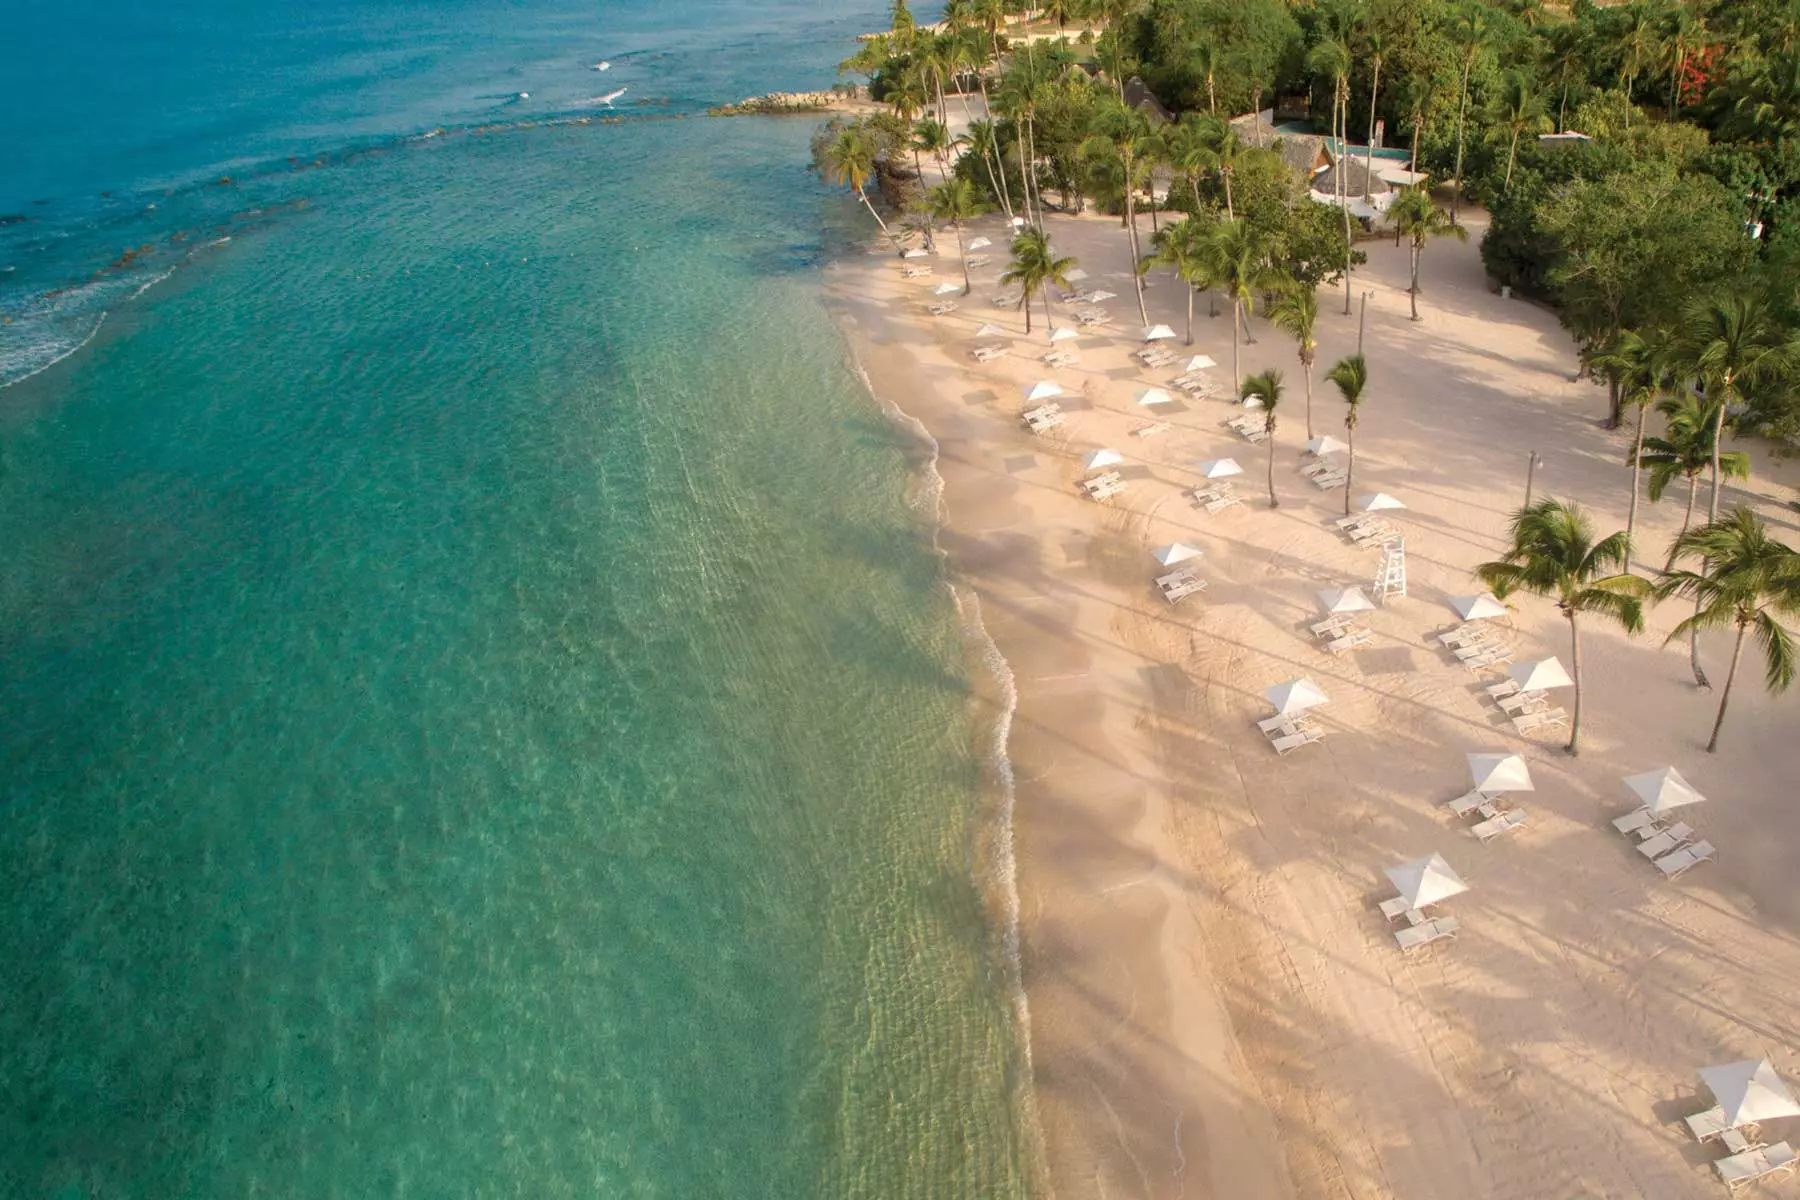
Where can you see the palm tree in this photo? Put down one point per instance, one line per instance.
(1236, 259)
(1126, 133)
(1204, 60)
(1685, 450)
(1352, 378)
(1554, 554)
(1266, 387)
(983, 140)
(1375, 46)
(1033, 267)
(1182, 247)
(1636, 361)
(933, 137)
(1471, 32)
(955, 201)
(1332, 58)
(1295, 312)
(1638, 46)
(849, 160)
(1517, 109)
(1566, 56)
(1745, 579)
(1417, 216)
(1730, 341)
(1683, 33)
(1191, 147)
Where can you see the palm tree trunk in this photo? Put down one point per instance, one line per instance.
(1637, 470)
(1350, 465)
(1273, 502)
(1512, 153)
(864, 197)
(1225, 178)
(1024, 172)
(1306, 370)
(1000, 188)
(1190, 313)
(1574, 746)
(1025, 303)
(1712, 504)
(956, 224)
(1341, 184)
(1737, 651)
(1462, 106)
(1369, 165)
(1237, 380)
(1137, 278)
(1414, 292)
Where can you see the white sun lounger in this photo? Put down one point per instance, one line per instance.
(986, 353)
(1006, 300)
(1326, 480)
(1332, 626)
(939, 309)
(978, 260)
(1061, 358)
(1327, 466)
(1152, 429)
(1501, 823)
(915, 272)
(1284, 723)
(1350, 641)
(1044, 422)
(1490, 656)
(1294, 741)
(1755, 1164)
(1686, 858)
(1221, 503)
(1184, 590)
(1506, 687)
(1396, 907)
(1523, 705)
(1659, 844)
(1708, 1124)
(1414, 936)
(1640, 821)
(1101, 480)
(1255, 437)
(1550, 718)
(1371, 531)
(1469, 802)
(1467, 652)
(1464, 635)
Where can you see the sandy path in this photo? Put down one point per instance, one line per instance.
(1217, 1009)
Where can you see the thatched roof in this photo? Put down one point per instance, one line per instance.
(1355, 173)
(1139, 96)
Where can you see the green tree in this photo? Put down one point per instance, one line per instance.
(1034, 267)
(1352, 378)
(1236, 260)
(1416, 215)
(1745, 579)
(1182, 248)
(1516, 109)
(1554, 554)
(1295, 312)
(848, 160)
(1471, 32)
(1125, 133)
(1265, 386)
(1685, 449)
(955, 201)
(1638, 365)
(1730, 341)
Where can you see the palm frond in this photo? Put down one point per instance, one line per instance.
(1778, 652)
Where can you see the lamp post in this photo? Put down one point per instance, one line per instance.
(1531, 467)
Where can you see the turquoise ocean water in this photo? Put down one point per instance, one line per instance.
(482, 711)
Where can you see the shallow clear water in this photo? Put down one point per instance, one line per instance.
(482, 717)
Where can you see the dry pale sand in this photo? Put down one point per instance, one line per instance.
(1217, 1008)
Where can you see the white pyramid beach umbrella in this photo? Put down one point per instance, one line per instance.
(1173, 553)
(979, 243)
(945, 289)
(1500, 773)
(1158, 333)
(1018, 222)
(1477, 608)
(1200, 362)
(1750, 1091)
(1103, 457)
(1377, 501)
(1097, 295)
(1325, 444)
(1063, 334)
(1539, 675)
(1155, 396)
(1075, 276)
(1296, 695)
(1662, 790)
(1219, 468)
(1345, 600)
(1044, 389)
(1426, 881)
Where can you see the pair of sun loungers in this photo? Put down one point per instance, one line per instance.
(1495, 820)
(1155, 356)
(1328, 479)
(1044, 417)
(1372, 533)
(1347, 638)
(1541, 720)
(1288, 733)
(1007, 300)
(1749, 1158)
(1673, 847)
(1152, 429)
(1250, 428)
(942, 307)
(1104, 485)
(987, 353)
(915, 272)
(1062, 358)
(1216, 497)
(1482, 655)
(1421, 928)
(1177, 585)
(979, 260)
(1091, 316)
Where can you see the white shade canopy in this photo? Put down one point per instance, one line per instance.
(1063, 334)
(1325, 444)
(1662, 790)
(1173, 553)
(1200, 362)
(1376, 501)
(915, 252)
(1252, 402)
(944, 289)
(1044, 389)
(1345, 600)
(1154, 396)
(1476, 608)
(1096, 296)
(1538, 675)
(1219, 468)
(1158, 333)
(1750, 1091)
(1500, 773)
(1103, 457)
(1296, 695)
(1426, 881)
(1076, 275)
(1018, 222)
(979, 243)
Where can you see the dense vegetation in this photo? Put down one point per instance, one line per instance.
(1684, 192)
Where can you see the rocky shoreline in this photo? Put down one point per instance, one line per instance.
(775, 104)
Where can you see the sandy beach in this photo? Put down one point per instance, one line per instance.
(1217, 1008)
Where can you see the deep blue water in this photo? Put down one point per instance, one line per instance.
(482, 712)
